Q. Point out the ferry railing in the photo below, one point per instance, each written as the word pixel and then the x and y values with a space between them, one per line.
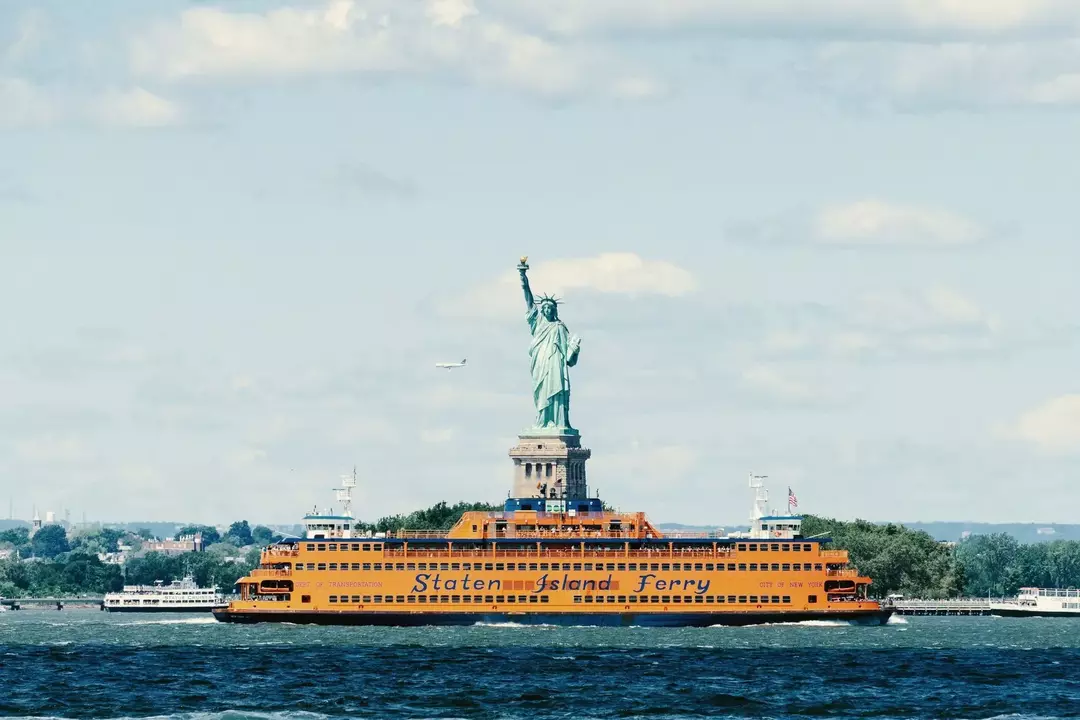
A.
pixel 613 554
pixel 838 554
pixel 276 552
pixel 267 572
pixel 842 573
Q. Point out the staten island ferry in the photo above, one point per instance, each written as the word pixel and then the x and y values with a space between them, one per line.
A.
pixel 544 561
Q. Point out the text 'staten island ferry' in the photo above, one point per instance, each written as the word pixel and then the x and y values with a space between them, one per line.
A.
pixel 553 555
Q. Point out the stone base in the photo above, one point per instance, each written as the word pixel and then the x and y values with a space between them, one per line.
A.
pixel 550 462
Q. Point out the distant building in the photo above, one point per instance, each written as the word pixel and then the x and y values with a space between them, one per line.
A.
pixel 116 558
pixel 965 535
pixel 1046 531
pixel 5 554
pixel 179 546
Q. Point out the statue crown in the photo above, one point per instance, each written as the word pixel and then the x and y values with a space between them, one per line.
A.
pixel 548 299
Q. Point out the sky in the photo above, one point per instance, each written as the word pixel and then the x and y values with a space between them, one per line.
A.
pixel 828 241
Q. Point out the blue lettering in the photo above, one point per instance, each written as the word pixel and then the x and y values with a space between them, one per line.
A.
pixel 703 586
pixel 478 585
pixel 643 581
pixel 605 584
pixel 541 584
pixel 450 585
pixel 421 583
pixel 435 582
pixel 494 585
pixel 661 584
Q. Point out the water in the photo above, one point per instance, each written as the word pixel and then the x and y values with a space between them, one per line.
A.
pixel 83 663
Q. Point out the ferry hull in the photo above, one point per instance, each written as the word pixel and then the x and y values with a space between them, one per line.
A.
pixel 391 619
pixel 1011 612
pixel 186 610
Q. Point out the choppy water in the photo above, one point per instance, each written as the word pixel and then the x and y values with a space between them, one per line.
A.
pixel 82 663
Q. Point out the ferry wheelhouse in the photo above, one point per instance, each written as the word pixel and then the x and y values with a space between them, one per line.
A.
pixel 183 596
pixel 1039 602
pixel 553 561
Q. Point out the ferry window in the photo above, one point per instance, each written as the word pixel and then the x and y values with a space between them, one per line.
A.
pixel 500 566
pixel 621 566
pixel 588 566
pixel 444 598
pixel 677 599
pixel 797 567
pixel 764 547
pixel 390 599
pixel 367 598
pixel 408 566
pixel 775 599
pixel 577 598
pixel 811 599
pixel 652 599
pixel 453 566
pixel 510 599
pixel 310 566
pixel 532 566
pixel 480 598
pixel 333 598
pixel 775 547
pixel 331 547
pixel 654 566
pixel 322 566
pixel 610 599
pixel 378 598
pixel 423 599
pixel 731 566
pixel 753 600
pixel 468 566
pixel 299 566
pixel 305 598
pixel 455 598
pixel 709 566
pixel 487 566
pixel 742 598
pixel 730 599
pixel 775 567
pixel 632 598
pixel 356 566
pixel 817 566
pixel 500 598
pixel 588 598
pixel 377 547
pixel 742 566
pixel 399 566
pixel 367 547
pixel 333 566
pixel 378 566
pixel 411 598
pixel 622 599
pixel 752 547
pixel 543 566
pixel 806 548
pixel 698 566
pixel 796 547
pixel 367 566
pixel 355 547
pixel 577 566
pixel 474 528
pixel 787 599
pixel 753 567
pixel 699 599
pixel 442 566
pixel 533 598
pixel 665 599
pixel 785 567
pixel 764 599
pixel 633 567
pixel 665 566
pixel 741 547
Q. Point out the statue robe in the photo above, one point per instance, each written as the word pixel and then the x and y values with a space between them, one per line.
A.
pixel 550 359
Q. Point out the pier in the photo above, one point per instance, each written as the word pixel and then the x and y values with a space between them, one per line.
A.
pixel 59 603
pixel 942 607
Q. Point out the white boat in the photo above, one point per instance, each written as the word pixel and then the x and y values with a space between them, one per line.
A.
pixel 1035 602
pixel 184 596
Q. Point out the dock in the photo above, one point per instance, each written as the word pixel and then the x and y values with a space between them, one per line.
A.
pixel 59 603
pixel 970 606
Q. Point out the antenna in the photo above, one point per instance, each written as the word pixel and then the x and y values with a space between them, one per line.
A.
pixel 344 494
pixel 761 497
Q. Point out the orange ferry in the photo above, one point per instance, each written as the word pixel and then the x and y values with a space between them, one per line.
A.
pixel 543 561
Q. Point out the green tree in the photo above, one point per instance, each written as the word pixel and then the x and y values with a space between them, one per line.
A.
pixel 240 533
pixel 50 541
pixel 262 535
pixel 440 516
pixel 145 533
pixel 16 536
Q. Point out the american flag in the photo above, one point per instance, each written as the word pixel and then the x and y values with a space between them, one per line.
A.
pixel 792 501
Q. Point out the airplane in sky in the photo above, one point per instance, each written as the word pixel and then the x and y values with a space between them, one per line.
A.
pixel 450 366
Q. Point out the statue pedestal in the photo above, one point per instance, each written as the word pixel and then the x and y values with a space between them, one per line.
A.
pixel 553 458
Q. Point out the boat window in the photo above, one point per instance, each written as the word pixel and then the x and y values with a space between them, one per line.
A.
pixel 699 599
pixel 356 566
pixel 305 598
pixel 764 599
pixel 390 599
pixel 377 547
pixel 442 566
pixel 785 567
pixel 633 567
pixel 775 567
pixel 366 547
pixel 752 547
pixel 699 566
pixel 811 599
pixel 775 599
pixel 423 599
pixel 299 566
pixel 399 566
pixel 367 566
pixel 754 600
pixel 577 598
pixel 577 566
pixel 356 599
pixel 310 546
pixel 775 547
pixel 742 566
pixel 487 566
pixel 665 566
pixel 742 547
pixel 500 598
pixel 453 566
pixel 677 599
pixel 817 566
pixel 796 547
pixel 632 598
pixel 764 547
pixel 588 598
pixel 355 547
pixel 367 599
pixel 511 598
pixel 665 599
pixel 333 566
pixel 588 566
pixel 719 566
pixel 533 599
pixel 332 547
pixel 322 566
pixel 742 598
pixel 378 598
pixel 532 566
pixel 753 567
pixel 806 548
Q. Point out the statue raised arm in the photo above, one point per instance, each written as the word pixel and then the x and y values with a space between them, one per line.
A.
pixel 552 352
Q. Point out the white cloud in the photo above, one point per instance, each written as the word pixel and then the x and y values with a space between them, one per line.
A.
pixel 776 384
pixel 873 222
pixel 610 273
pixel 866 223
pixel 1053 426
pixel 925 19
pixel 136 108
pixel 65 449
pixel 376 37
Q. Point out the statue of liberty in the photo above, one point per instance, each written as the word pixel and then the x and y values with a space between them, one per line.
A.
pixel 553 351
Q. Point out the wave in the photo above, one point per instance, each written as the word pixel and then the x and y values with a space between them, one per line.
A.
pixel 897 620
pixel 174 621
pixel 800 623
pixel 222 715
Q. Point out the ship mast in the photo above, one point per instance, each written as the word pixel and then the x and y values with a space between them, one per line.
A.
pixel 344 493
pixel 761 497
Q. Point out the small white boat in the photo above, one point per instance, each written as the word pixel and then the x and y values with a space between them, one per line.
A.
pixel 1039 602
pixel 183 596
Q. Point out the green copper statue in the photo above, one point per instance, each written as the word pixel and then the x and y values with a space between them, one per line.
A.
pixel 553 351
